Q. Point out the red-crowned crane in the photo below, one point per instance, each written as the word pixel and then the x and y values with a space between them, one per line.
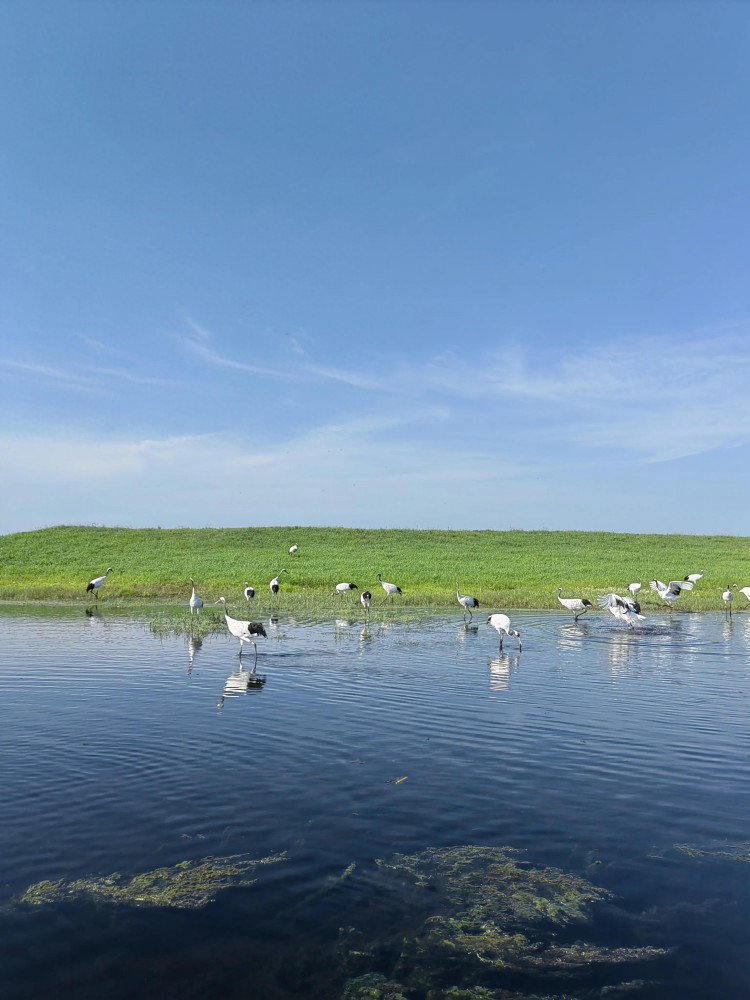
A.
pixel 671 591
pixel 244 631
pixel 344 588
pixel 694 577
pixel 196 603
pixel 634 588
pixel 366 598
pixel 579 605
pixel 626 609
pixel 727 597
pixel 274 584
pixel 466 602
pixel 501 624
pixel 389 588
pixel 96 583
pixel 249 592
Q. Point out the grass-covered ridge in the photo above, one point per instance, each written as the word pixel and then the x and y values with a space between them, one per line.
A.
pixel 503 569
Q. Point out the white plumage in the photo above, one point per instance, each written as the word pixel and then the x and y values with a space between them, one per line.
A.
pixel 579 605
pixel 745 591
pixel 389 588
pixel 635 587
pixel 727 597
pixel 196 603
pixel 501 624
pixel 671 591
pixel 365 597
pixel 293 550
pixel 249 592
pixel 344 588
pixel 97 582
pixel 466 602
pixel 274 584
pixel 626 609
pixel 244 631
pixel 694 577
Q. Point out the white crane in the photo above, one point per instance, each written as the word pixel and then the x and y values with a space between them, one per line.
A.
pixel 96 583
pixel 466 602
pixel 389 588
pixel 274 584
pixel 671 591
pixel 579 605
pixel 745 591
pixel 366 598
pixel 196 603
pixel 501 624
pixel 244 631
pixel 694 577
pixel 293 550
pixel 634 588
pixel 627 609
pixel 727 597
pixel 249 592
pixel 344 588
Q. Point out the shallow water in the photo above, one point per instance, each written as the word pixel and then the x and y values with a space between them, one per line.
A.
pixel 596 751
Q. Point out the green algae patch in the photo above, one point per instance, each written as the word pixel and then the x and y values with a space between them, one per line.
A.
pixel 489 883
pixel 728 852
pixel 188 885
pixel 493 930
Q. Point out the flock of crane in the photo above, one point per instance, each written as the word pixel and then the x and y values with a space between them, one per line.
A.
pixel 625 609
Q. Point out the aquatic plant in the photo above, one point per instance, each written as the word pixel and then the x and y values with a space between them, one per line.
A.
pixel 188 885
pixel 492 920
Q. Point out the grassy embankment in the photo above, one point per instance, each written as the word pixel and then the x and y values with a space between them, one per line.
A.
pixel 503 569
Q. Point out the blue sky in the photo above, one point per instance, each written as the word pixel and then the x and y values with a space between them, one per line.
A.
pixel 462 265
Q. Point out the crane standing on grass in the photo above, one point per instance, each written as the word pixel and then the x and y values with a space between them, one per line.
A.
pixel 96 583
pixel 389 588
pixel 274 584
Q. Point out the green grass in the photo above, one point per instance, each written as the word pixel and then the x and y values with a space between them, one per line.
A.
pixel 503 569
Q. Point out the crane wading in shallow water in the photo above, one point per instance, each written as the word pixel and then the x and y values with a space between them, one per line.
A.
pixel 366 598
pixel 466 602
pixel 389 588
pixel 627 609
pixel 196 603
pixel 501 624
pixel 727 597
pixel 96 583
pixel 244 631
pixel 579 605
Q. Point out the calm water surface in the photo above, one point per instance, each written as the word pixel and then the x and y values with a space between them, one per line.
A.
pixel 596 751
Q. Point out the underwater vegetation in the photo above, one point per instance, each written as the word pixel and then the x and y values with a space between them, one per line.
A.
pixel 492 933
pixel 188 885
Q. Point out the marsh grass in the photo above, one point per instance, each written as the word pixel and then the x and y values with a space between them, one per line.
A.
pixel 503 569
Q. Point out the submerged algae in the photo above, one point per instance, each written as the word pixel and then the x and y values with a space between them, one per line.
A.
pixel 495 920
pixel 188 885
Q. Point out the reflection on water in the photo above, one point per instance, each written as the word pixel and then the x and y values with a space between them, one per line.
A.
pixel 604 743
pixel 500 670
